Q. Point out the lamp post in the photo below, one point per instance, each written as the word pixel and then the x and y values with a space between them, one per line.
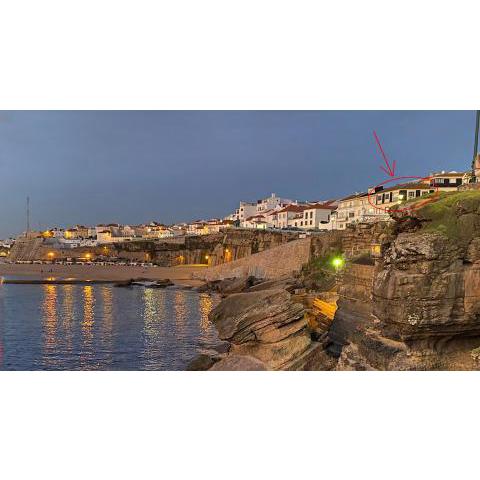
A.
pixel 475 147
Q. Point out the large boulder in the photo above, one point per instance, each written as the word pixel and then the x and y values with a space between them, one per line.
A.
pixel 268 316
pixel 266 325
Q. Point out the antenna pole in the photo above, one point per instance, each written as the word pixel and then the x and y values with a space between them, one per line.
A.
pixel 28 215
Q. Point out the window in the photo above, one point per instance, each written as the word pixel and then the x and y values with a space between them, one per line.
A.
pixel 411 194
pixel 311 214
pixel 311 222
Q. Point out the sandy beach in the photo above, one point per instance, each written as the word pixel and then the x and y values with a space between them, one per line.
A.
pixel 179 275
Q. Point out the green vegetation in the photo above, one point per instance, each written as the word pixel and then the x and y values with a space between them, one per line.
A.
pixel 319 272
pixel 455 214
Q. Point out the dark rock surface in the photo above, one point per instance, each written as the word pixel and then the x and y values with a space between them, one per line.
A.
pixel 239 363
pixel 201 362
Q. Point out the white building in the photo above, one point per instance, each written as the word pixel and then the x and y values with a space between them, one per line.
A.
pixel 246 210
pixel 317 217
pixel 353 209
pixel 255 221
pixel 289 216
pixel 154 230
pixel 448 181
pixel 272 202
pixel 114 232
pixel 250 209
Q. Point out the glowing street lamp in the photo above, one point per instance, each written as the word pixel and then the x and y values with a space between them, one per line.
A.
pixel 338 262
pixel 51 256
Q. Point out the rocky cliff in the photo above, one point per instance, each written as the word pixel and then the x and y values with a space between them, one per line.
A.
pixel 408 299
pixel 418 308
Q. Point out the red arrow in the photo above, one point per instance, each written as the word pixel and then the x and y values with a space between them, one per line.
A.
pixel 391 170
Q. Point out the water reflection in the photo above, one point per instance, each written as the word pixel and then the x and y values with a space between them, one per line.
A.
pixel 100 327
pixel 49 308
pixel 107 299
pixel 88 312
pixel 106 324
pixel 87 328
pixel 205 307
pixel 68 312
pixel 181 311
pixel 153 315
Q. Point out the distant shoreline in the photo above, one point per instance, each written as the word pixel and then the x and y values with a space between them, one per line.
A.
pixel 72 274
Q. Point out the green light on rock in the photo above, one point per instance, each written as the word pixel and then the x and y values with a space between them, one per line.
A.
pixel 338 262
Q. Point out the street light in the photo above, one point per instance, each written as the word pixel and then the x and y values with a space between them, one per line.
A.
pixel 338 262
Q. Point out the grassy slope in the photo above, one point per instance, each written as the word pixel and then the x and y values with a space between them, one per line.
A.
pixel 456 214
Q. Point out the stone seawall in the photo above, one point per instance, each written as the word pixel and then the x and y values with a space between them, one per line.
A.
pixel 276 262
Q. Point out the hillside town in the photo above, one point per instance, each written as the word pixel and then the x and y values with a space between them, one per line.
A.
pixel 272 212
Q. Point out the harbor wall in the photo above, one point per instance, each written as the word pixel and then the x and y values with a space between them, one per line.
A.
pixel 276 262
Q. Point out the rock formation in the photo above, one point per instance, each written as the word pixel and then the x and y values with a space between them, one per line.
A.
pixel 408 299
pixel 419 307
pixel 268 326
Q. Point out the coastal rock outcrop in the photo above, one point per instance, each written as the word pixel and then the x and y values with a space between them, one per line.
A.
pixel 418 308
pixel 239 363
pixel 268 326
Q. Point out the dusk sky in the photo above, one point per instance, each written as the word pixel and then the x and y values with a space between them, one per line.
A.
pixel 89 167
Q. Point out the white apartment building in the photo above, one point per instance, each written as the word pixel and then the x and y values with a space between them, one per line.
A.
pixel 352 209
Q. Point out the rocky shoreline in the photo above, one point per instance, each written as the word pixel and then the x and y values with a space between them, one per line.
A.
pixel 408 299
